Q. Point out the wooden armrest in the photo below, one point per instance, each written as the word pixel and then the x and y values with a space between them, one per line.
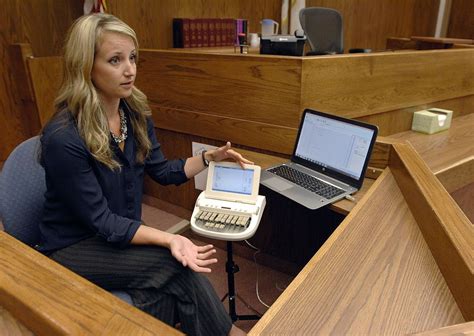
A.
pixel 49 299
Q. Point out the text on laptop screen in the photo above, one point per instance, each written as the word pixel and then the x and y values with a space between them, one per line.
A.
pixel 233 179
pixel 334 144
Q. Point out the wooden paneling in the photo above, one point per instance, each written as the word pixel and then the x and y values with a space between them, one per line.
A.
pixel 215 95
pixel 22 87
pixel 361 87
pixel 45 70
pixel 374 83
pixel 10 325
pixel 223 85
pixel 464 329
pixel 152 20
pixel 463 197
pixel 367 23
pixel 42 24
pixel 443 150
pixel 461 22
pixel 419 279
pixel 457 175
pixel 11 120
pixel 400 120
pixel 375 275
pixel 447 231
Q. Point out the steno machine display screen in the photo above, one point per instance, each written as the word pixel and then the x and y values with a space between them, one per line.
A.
pixel 233 180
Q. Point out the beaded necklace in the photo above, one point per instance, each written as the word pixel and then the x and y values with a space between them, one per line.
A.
pixel 123 129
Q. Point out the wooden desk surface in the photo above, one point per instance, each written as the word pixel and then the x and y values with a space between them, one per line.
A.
pixel 220 50
pixel 343 206
pixel 442 150
pixel 444 40
pixel 389 284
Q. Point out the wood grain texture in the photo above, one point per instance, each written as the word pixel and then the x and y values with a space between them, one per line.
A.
pixel 461 23
pixel 225 97
pixel 463 197
pixel 22 87
pixel 446 229
pixel 397 43
pixel 223 84
pixel 268 94
pixel 368 23
pixel 10 325
pixel 400 120
pixel 463 46
pixel 458 175
pixel 43 25
pixel 45 77
pixel 463 329
pixel 442 40
pixel 49 299
pixel 356 86
pixel 372 279
pixel 444 149
pixel 159 15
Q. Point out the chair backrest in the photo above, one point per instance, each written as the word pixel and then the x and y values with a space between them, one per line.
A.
pixel 22 188
pixel 324 30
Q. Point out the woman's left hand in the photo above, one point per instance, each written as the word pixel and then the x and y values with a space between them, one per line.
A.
pixel 226 152
pixel 197 258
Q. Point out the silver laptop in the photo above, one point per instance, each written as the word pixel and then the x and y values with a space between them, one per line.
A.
pixel 328 163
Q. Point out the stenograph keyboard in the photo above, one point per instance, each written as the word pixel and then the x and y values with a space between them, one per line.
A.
pixel 226 220
pixel 230 207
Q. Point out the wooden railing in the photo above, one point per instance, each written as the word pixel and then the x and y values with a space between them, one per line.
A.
pixel 401 262
pixel 49 299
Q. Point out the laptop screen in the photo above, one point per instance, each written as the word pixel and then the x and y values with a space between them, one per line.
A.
pixel 334 145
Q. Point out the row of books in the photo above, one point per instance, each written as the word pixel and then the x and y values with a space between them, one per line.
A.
pixel 207 32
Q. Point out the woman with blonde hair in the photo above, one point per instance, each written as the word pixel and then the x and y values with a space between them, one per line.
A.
pixel 95 151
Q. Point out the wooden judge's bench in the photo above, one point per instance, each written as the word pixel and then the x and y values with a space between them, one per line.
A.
pixel 399 260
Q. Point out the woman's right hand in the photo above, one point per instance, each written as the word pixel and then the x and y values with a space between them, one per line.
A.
pixel 191 255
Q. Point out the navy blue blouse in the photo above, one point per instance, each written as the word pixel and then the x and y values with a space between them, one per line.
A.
pixel 86 198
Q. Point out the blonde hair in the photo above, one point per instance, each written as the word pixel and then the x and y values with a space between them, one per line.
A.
pixel 79 95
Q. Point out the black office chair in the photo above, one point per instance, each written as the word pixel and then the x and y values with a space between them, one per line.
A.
pixel 22 188
pixel 324 30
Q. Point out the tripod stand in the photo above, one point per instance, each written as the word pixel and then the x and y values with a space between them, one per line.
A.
pixel 231 269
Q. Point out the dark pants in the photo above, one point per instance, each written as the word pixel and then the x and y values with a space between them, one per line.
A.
pixel 157 283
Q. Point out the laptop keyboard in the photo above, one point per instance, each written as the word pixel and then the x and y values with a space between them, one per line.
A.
pixel 306 181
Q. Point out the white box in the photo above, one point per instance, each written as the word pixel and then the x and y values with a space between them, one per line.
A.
pixel 432 120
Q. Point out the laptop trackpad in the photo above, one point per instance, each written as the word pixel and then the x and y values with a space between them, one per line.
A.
pixel 278 184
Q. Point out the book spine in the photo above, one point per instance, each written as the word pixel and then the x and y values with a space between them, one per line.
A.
pixel 178 33
pixel 230 32
pixel 205 32
pixel 218 33
pixel 212 32
pixel 223 32
pixel 193 33
pixel 186 34
pixel 237 30
pixel 245 30
pixel 198 32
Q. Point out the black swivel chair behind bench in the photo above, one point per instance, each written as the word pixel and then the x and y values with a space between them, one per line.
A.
pixel 324 30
